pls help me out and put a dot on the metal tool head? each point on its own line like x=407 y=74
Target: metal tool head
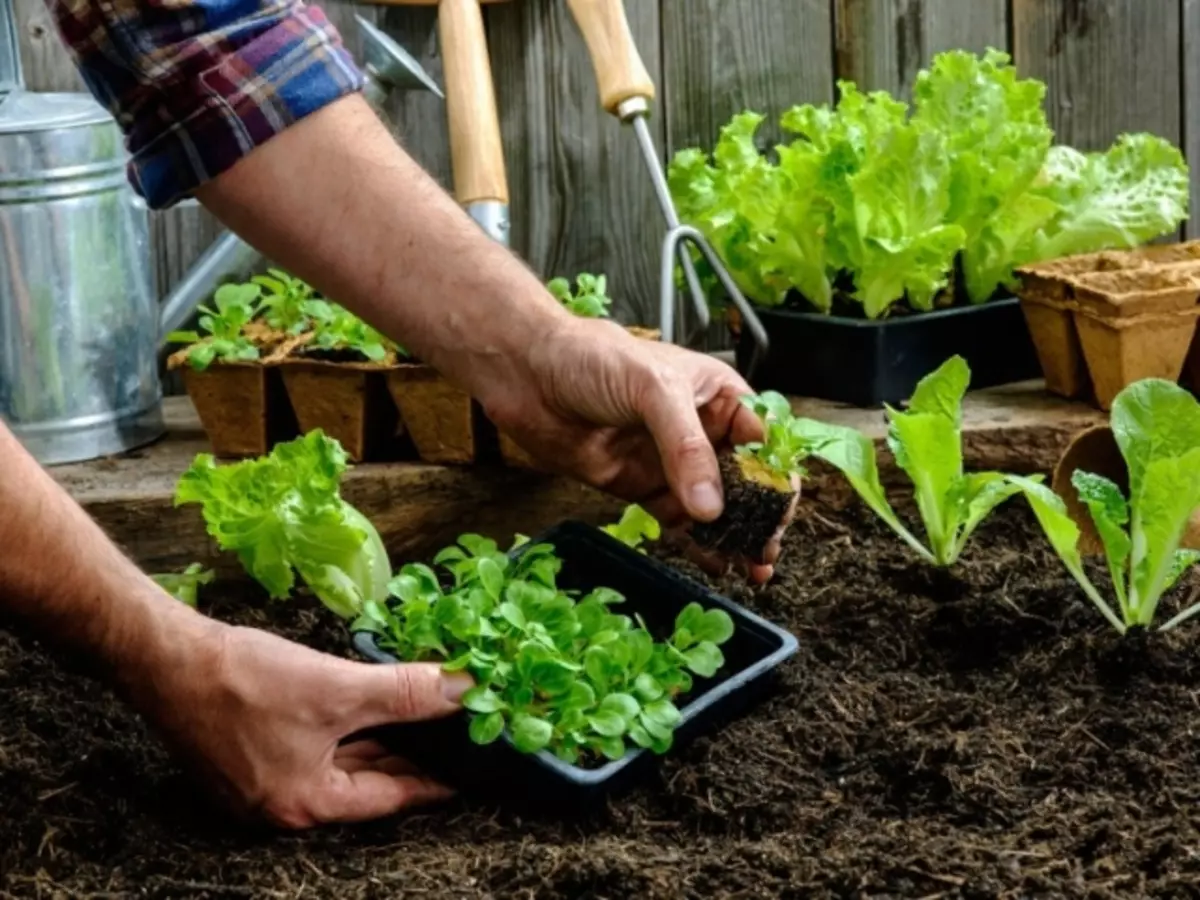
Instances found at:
x=390 y=65
x=676 y=249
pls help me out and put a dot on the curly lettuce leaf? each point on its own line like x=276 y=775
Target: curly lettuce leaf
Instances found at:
x=1119 y=199
x=283 y=514
x=997 y=136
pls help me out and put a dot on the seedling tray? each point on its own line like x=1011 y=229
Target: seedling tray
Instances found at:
x=498 y=773
x=869 y=363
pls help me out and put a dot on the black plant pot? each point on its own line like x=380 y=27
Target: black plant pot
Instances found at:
x=869 y=363
x=498 y=773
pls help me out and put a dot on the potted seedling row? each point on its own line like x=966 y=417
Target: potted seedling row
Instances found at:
x=590 y=659
x=587 y=299
x=1104 y=321
x=877 y=241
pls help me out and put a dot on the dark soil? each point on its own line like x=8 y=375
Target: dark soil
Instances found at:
x=340 y=355
x=753 y=513
x=975 y=734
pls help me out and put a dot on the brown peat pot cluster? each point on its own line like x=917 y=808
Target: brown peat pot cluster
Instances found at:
x=1102 y=321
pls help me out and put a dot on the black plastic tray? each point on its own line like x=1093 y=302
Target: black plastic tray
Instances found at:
x=869 y=363
x=541 y=782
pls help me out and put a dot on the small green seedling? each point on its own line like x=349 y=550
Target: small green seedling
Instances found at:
x=1157 y=427
x=635 y=527
x=234 y=305
x=336 y=328
x=589 y=300
x=926 y=441
x=284 y=301
x=185 y=586
x=785 y=444
x=557 y=672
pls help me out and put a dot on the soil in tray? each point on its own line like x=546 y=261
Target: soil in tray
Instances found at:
x=978 y=735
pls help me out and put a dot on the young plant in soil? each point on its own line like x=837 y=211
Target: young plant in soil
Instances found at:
x=234 y=306
x=635 y=527
x=283 y=514
x=926 y=441
x=339 y=335
x=561 y=673
x=185 y=586
x=1157 y=427
x=284 y=301
x=589 y=300
x=761 y=482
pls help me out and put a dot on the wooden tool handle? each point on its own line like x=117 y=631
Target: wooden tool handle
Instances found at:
x=476 y=150
x=620 y=73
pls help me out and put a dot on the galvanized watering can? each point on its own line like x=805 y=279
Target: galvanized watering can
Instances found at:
x=80 y=325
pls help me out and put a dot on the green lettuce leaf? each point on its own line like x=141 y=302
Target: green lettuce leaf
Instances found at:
x=997 y=137
x=1110 y=514
x=1131 y=194
x=283 y=514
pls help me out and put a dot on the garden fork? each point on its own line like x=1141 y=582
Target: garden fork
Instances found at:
x=626 y=91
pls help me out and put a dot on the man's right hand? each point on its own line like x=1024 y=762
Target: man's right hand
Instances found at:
x=265 y=720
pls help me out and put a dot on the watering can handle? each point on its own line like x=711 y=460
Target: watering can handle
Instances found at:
x=620 y=73
x=475 y=145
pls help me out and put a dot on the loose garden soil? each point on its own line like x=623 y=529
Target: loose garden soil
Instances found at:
x=978 y=734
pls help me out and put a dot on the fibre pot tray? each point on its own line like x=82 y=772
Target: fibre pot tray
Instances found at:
x=498 y=773
x=869 y=363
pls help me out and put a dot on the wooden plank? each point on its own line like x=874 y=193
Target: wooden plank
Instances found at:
x=419 y=508
x=722 y=57
x=1191 y=105
x=1110 y=66
x=883 y=44
x=47 y=64
x=581 y=198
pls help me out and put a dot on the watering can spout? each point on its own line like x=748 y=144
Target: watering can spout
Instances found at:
x=388 y=67
x=1095 y=450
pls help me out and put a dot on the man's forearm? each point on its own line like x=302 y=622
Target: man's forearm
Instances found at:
x=338 y=202
x=62 y=579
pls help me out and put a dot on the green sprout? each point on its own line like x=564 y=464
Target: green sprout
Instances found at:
x=556 y=672
x=284 y=301
x=336 y=328
x=184 y=586
x=235 y=305
x=635 y=527
x=589 y=300
x=784 y=445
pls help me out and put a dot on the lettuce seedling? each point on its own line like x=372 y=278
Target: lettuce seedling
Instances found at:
x=336 y=328
x=635 y=527
x=760 y=481
x=589 y=299
x=556 y=671
x=926 y=441
x=234 y=305
x=285 y=301
x=1157 y=427
x=185 y=586
x=283 y=514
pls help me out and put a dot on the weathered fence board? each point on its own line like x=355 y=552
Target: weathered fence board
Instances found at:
x=581 y=197
x=1190 y=107
x=1110 y=66
x=883 y=44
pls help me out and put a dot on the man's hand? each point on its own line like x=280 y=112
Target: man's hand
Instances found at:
x=637 y=418
x=266 y=720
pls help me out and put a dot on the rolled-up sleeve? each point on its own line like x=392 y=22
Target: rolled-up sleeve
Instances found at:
x=197 y=84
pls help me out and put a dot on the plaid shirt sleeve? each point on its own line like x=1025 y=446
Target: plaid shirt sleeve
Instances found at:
x=197 y=84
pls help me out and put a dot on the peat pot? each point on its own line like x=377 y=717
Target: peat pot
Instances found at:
x=78 y=316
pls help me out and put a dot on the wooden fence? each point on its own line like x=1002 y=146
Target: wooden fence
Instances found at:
x=580 y=198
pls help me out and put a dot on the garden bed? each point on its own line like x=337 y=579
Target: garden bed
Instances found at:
x=982 y=734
